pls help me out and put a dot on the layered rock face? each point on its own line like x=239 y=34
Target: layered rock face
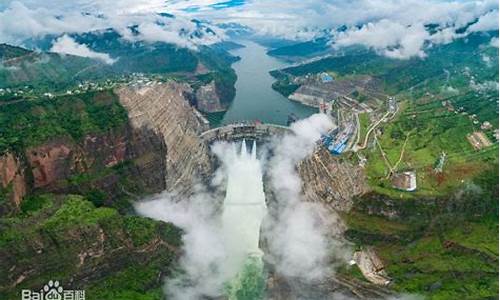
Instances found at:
x=165 y=110
x=207 y=99
x=158 y=148
x=329 y=180
x=63 y=165
x=12 y=180
x=84 y=247
x=54 y=162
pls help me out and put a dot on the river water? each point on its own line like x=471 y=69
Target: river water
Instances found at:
x=243 y=212
x=255 y=99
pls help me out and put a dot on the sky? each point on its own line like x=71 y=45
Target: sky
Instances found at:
x=394 y=28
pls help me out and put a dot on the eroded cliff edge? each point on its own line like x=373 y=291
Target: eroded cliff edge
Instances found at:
x=109 y=148
x=164 y=110
x=331 y=180
x=139 y=141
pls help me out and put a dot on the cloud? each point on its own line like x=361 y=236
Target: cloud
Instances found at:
x=203 y=251
x=18 y=22
x=299 y=238
x=35 y=19
x=373 y=23
x=387 y=37
x=494 y=42
x=487 y=22
x=67 y=45
x=291 y=19
x=179 y=33
x=404 y=37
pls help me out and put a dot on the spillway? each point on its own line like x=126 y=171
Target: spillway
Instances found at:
x=243 y=211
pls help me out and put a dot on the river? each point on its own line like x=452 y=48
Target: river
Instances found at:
x=255 y=99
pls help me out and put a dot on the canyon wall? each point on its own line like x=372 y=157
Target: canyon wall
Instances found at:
x=156 y=148
x=207 y=99
x=331 y=180
x=164 y=109
x=98 y=161
x=84 y=247
x=12 y=182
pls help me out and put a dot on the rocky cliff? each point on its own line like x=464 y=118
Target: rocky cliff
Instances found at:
x=86 y=248
x=207 y=99
x=152 y=146
x=12 y=182
x=331 y=180
x=165 y=110
x=141 y=140
x=106 y=162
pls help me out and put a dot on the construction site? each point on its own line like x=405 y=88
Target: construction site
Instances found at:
x=317 y=89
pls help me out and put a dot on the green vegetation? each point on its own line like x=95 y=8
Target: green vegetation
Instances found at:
x=442 y=248
x=285 y=88
x=29 y=123
x=364 y=124
x=63 y=237
x=308 y=48
x=10 y=52
x=139 y=229
x=460 y=74
x=76 y=211
x=31 y=74
x=399 y=75
x=46 y=71
x=440 y=241
x=350 y=271
x=133 y=283
x=33 y=203
x=125 y=187
x=432 y=129
x=219 y=60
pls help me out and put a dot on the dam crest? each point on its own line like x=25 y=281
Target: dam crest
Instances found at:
x=242 y=130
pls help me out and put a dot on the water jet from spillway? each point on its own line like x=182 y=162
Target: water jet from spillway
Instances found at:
x=243 y=211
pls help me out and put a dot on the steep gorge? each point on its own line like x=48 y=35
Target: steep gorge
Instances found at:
x=112 y=255
x=164 y=109
x=156 y=148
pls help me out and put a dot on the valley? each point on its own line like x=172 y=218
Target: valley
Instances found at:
x=181 y=158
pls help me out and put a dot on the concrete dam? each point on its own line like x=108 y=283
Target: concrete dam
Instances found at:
x=243 y=130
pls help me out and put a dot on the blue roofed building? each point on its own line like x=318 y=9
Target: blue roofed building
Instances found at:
x=325 y=77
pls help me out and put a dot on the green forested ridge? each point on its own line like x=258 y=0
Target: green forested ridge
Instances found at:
x=68 y=120
x=302 y=49
x=29 y=123
x=440 y=241
x=399 y=75
x=64 y=226
x=126 y=255
x=9 y=52
x=444 y=248
x=49 y=72
x=224 y=76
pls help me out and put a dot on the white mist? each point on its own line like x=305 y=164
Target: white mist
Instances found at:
x=244 y=208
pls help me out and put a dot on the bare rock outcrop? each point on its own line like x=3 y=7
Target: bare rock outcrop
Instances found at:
x=12 y=178
x=371 y=266
x=330 y=180
x=50 y=162
x=164 y=109
x=157 y=148
x=53 y=162
x=207 y=99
